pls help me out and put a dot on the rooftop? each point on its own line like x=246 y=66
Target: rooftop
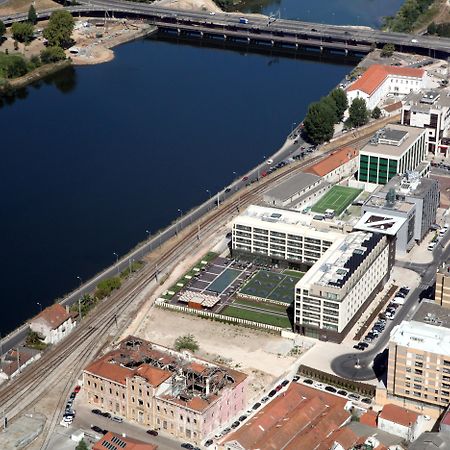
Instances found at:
x=433 y=314
x=392 y=141
x=397 y=414
x=380 y=223
x=336 y=265
x=431 y=441
x=113 y=441
x=376 y=74
x=294 y=184
x=54 y=316
x=422 y=336
x=333 y=161
x=378 y=200
x=410 y=184
x=427 y=100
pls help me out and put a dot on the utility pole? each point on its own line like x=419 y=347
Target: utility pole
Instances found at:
x=18 y=360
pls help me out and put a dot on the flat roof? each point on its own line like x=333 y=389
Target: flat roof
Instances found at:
x=415 y=188
x=379 y=201
x=422 y=336
x=380 y=222
x=294 y=184
x=395 y=151
x=433 y=314
x=424 y=101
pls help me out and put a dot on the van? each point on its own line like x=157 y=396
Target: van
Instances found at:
x=117 y=419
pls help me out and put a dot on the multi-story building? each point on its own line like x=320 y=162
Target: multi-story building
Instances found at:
x=429 y=110
x=419 y=358
x=164 y=389
x=277 y=236
x=378 y=81
x=391 y=151
x=442 y=292
x=331 y=295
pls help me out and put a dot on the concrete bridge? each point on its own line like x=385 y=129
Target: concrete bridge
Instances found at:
x=289 y=35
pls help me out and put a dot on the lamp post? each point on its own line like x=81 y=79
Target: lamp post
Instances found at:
x=117 y=262
x=40 y=306
x=209 y=193
x=179 y=220
x=79 y=299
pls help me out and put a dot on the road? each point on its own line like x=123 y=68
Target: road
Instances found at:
x=360 y=366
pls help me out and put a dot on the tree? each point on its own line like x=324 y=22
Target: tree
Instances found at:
x=186 y=342
x=33 y=340
x=319 y=122
x=82 y=445
x=330 y=104
x=376 y=113
x=340 y=99
x=52 y=54
x=2 y=29
x=387 y=50
x=358 y=114
x=22 y=31
x=59 y=29
x=432 y=28
x=32 y=16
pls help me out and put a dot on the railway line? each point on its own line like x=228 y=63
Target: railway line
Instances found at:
x=19 y=394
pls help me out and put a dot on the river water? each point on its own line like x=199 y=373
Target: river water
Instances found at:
x=95 y=156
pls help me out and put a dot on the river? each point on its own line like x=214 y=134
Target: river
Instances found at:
x=94 y=157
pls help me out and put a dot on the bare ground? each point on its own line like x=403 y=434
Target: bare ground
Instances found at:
x=19 y=6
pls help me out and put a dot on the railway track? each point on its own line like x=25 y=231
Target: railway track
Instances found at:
x=79 y=347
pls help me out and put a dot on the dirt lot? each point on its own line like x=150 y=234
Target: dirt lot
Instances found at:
x=18 y=6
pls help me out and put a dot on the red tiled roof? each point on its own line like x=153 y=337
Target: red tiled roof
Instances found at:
x=344 y=436
x=105 y=369
x=196 y=367
x=54 y=315
x=369 y=418
x=153 y=375
x=393 y=106
x=333 y=161
x=196 y=403
x=397 y=414
x=446 y=419
x=375 y=75
x=130 y=444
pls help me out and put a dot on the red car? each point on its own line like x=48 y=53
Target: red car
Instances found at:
x=263 y=174
x=77 y=389
x=245 y=178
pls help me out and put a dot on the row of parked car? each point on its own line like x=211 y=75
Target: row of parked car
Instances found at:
x=438 y=237
x=69 y=412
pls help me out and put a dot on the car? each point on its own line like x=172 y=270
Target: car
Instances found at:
x=264 y=399
x=269 y=161
x=263 y=174
x=296 y=378
x=117 y=419
x=106 y=414
x=414 y=41
x=284 y=383
x=235 y=424
x=73 y=395
x=208 y=442
x=317 y=384
x=272 y=393
x=256 y=405
x=152 y=432
x=353 y=397
x=307 y=381
x=368 y=339
x=226 y=430
x=96 y=429
x=96 y=411
x=212 y=13
x=228 y=190
x=242 y=418
x=68 y=419
x=342 y=392
x=330 y=389
x=187 y=445
x=364 y=344
x=358 y=347
x=366 y=400
x=77 y=389
x=218 y=435
x=245 y=178
x=279 y=387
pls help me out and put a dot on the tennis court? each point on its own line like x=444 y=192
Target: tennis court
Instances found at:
x=338 y=198
x=224 y=280
x=271 y=286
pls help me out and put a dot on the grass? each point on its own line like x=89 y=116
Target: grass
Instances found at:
x=268 y=319
x=263 y=305
x=293 y=273
x=338 y=198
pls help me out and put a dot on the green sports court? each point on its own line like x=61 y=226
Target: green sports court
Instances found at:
x=338 y=198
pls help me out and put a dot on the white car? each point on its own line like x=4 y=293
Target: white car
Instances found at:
x=414 y=41
x=270 y=161
x=212 y=13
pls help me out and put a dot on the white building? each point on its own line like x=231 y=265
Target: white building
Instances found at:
x=53 y=324
x=331 y=295
x=378 y=81
x=429 y=110
x=279 y=236
x=401 y=421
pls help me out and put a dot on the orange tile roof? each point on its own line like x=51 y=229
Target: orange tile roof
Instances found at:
x=333 y=161
x=344 y=436
x=301 y=417
x=393 y=106
x=397 y=414
x=105 y=369
x=153 y=375
x=196 y=367
x=369 y=418
x=375 y=75
x=54 y=315
x=130 y=444
x=195 y=403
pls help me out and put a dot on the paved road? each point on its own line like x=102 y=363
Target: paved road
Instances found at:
x=368 y=365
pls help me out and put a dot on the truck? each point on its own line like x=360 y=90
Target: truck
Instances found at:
x=243 y=20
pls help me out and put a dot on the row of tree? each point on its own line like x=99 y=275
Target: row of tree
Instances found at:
x=440 y=29
x=407 y=16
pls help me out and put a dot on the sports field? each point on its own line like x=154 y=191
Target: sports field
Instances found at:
x=272 y=285
x=338 y=198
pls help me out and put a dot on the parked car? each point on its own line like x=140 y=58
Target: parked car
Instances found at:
x=296 y=378
x=256 y=405
x=96 y=411
x=187 y=445
x=152 y=432
x=73 y=395
x=208 y=442
x=242 y=418
x=117 y=419
x=77 y=389
x=364 y=344
x=264 y=399
x=97 y=429
x=235 y=424
x=358 y=347
x=366 y=400
x=307 y=381
x=284 y=383
x=272 y=393
x=342 y=392
x=353 y=397
x=106 y=414
x=330 y=389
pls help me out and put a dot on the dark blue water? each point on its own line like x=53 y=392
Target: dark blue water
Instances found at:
x=337 y=12
x=97 y=155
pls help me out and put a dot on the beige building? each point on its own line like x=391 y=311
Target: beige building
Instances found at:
x=164 y=389
x=419 y=358
x=442 y=294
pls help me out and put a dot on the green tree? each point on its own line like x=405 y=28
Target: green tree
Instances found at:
x=319 y=122
x=32 y=16
x=329 y=103
x=340 y=99
x=432 y=28
x=52 y=54
x=82 y=445
x=358 y=113
x=186 y=342
x=22 y=31
x=2 y=29
x=105 y=287
x=33 y=340
x=376 y=113
x=59 y=29
x=387 y=50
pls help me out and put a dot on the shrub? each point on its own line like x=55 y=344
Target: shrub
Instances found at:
x=186 y=342
x=52 y=54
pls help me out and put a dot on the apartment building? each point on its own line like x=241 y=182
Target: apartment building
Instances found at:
x=391 y=151
x=163 y=389
x=277 y=236
x=419 y=358
x=442 y=292
x=379 y=81
x=331 y=295
x=429 y=110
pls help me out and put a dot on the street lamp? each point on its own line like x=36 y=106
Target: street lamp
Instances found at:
x=148 y=234
x=40 y=306
x=117 y=262
x=209 y=193
x=292 y=127
x=179 y=220
x=79 y=299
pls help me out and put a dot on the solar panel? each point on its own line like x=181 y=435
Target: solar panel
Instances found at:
x=119 y=442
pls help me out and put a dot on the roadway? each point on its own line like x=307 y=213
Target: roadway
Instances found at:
x=368 y=365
